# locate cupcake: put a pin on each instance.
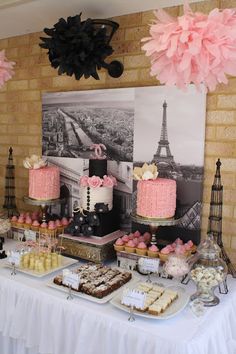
(137, 234)
(35, 215)
(153, 251)
(119, 245)
(131, 236)
(59, 226)
(35, 226)
(28, 222)
(13, 221)
(125, 238)
(64, 222)
(52, 229)
(130, 247)
(20, 222)
(141, 249)
(136, 241)
(147, 237)
(43, 228)
(164, 253)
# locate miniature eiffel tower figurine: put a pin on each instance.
(10, 202)
(215, 217)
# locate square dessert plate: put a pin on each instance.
(176, 307)
(65, 262)
(130, 283)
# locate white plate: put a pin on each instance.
(105, 299)
(66, 262)
(177, 305)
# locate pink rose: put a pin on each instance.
(84, 181)
(107, 181)
(94, 182)
(114, 180)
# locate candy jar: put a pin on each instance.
(177, 265)
(208, 271)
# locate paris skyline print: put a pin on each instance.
(142, 124)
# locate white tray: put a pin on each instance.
(177, 306)
(105, 299)
(66, 262)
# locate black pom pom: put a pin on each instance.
(77, 47)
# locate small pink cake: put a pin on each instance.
(156, 198)
(44, 183)
(153, 251)
(119, 245)
(141, 249)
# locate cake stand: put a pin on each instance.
(154, 224)
(43, 204)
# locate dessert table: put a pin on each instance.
(35, 318)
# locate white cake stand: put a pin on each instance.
(154, 224)
(43, 204)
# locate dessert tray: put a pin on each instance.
(65, 262)
(172, 310)
(93, 275)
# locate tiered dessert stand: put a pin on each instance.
(43, 204)
(154, 224)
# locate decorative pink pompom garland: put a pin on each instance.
(193, 48)
(6, 68)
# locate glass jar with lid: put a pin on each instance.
(208, 271)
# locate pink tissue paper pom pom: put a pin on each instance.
(193, 48)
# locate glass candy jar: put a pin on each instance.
(208, 271)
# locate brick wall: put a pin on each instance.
(20, 106)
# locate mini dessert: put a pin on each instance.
(39, 261)
(28, 222)
(13, 221)
(64, 222)
(130, 246)
(141, 249)
(20, 222)
(147, 237)
(97, 280)
(164, 253)
(52, 229)
(35, 225)
(131, 236)
(59, 227)
(136, 241)
(43, 228)
(119, 245)
(137, 234)
(125, 238)
(153, 251)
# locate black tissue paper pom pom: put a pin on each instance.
(77, 47)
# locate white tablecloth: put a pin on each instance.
(37, 319)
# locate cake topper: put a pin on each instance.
(98, 151)
(145, 172)
(34, 162)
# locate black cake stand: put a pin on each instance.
(154, 224)
(43, 204)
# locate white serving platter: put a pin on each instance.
(130, 283)
(65, 262)
(176, 307)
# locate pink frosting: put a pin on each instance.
(14, 218)
(142, 245)
(64, 221)
(178, 241)
(44, 183)
(28, 220)
(44, 225)
(51, 227)
(156, 198)
(130, 243)
(153, 248)
(135, 241)
(119, 242)
(58, 223)
(165, 250)
(147, 236)
(125, 238)
(180, 249)
(22, 215)
(35, 223)
(141, 239)
(21, 220)
(131, 236)
(137, 234)
(190, 243)
(187, 246)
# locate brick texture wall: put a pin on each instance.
(20, 106)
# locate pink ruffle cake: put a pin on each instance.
(156, 198)
(44, 183)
